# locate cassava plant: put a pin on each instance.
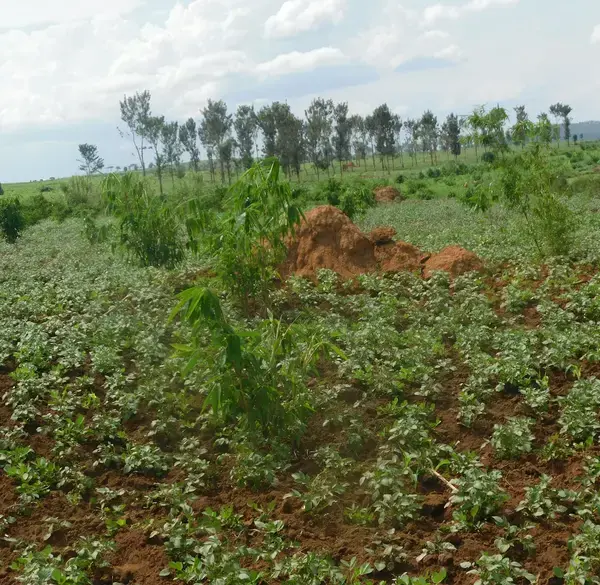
(261, 372)
(148, 227)
(249, 243)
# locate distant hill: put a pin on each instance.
(590, 130)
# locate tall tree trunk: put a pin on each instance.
(160, 181)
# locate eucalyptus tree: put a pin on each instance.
(383, 125)
(475, 125)
(216, 128)
(290, 141)
(342, 133)
(371, 128)
(210, 150)
(135, 113)
(172, 148)
(543, 129)
(412, 130)
(226, 155)
(398, 125)
(267, 122)
(450, 133)
(520, 129)
(429, 133)
(154, 134)
(561, 112)
(319, 126)
(359, 137)
(245, 124)
(188, 136)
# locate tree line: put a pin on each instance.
(326, 134)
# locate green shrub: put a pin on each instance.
(488, 157)
(425, 194)
(36, 209)
(333, 190)
(12, 220)
(356, 199)
(454, 168)
(148, 228)
(414, 185)
(588, 185)
(434, 173)
(400, 179)
(78, 193)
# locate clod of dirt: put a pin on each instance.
(453, 259)
(382, 235)
(327, 238)
(387, 194)
(398, 257)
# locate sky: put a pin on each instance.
(66, 64)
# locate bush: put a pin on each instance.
(434, 173)
(400, 179)
(12, 220)
(356, 199)
(414, 186)
(425, 194)
(148, 228)
(37, 209)
(454, 168)
(333, 190)
(488, 157)
(76, 191)
(586, 185)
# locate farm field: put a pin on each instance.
(208, 421)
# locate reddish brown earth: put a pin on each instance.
(387, 194)
(327, 238)
(382, 235)
(453, 259)
(398, 257)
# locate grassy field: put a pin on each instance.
(397, 430)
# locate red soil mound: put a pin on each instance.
(382, 235)
(453, 259)
(398, 257)
(387, 194)
(328, 239)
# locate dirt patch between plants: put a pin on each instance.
(327, 239)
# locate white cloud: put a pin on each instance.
(78, 70)
(440, 11)
(595, 35)
(296, 16)
(296, 62)
(435, 34)
(450, 52)
(436, 12)
(37, 12)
